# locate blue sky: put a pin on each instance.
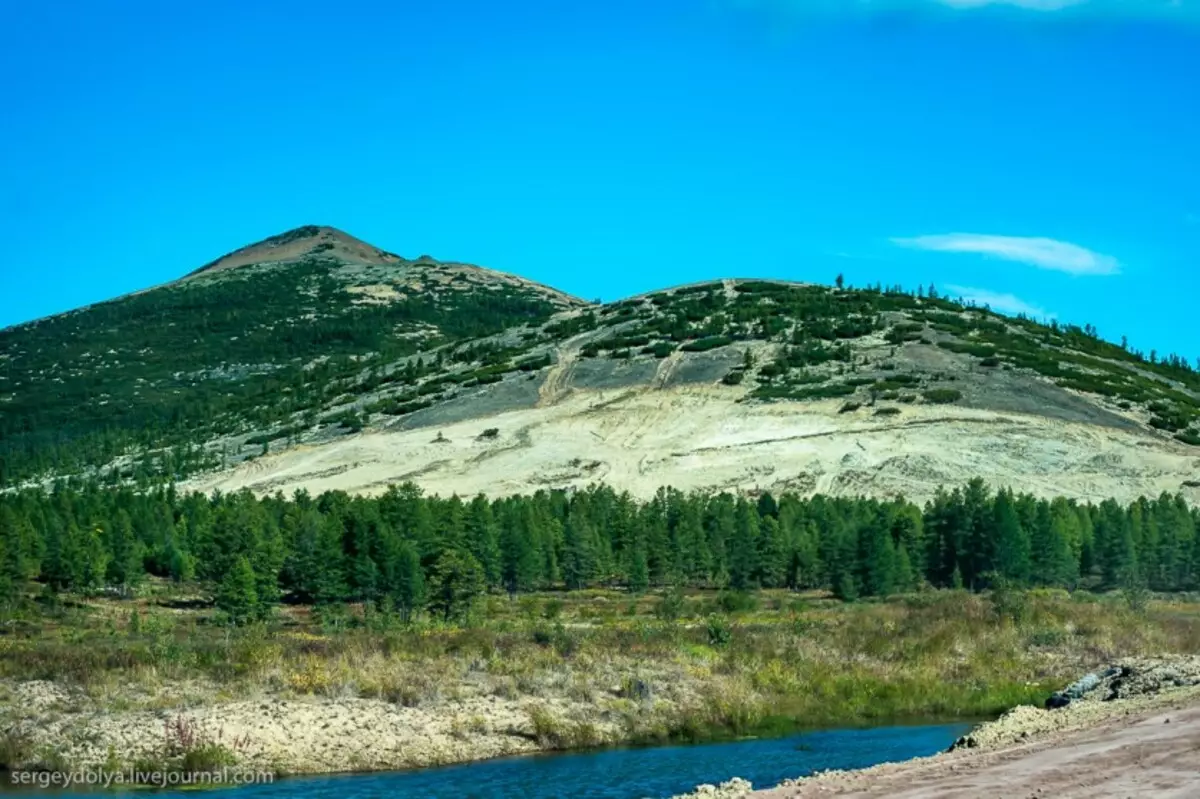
(1040, 154)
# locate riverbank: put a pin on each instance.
(97, 685)
(1133, 734)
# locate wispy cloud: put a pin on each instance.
(1005, 303)
(1058, 256)
(1166, 10)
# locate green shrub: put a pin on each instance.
(718, 630)
(737, 602)
(733, 378)
(705, 344)
(942, 396)
(670, 607)
(850, 407)
(887, 411)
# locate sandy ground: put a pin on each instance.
(1152, 755)
(293, 735)
(1137, 734)
(700, 437)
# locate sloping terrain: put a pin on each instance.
(706, 437)
(142, 382)
(315, 360)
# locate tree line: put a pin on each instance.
(414, 552)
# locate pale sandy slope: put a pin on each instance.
(700, 437)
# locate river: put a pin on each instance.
(619, 773)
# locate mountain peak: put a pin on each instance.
(302, 242)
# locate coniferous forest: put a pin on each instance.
(415, 553)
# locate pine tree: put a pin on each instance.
(905, 577)
(455, 583)
(774, 555)
(7, 584)
(1012, 541)
(325, 563)
(237, 595)
(409, 591)
(877, 558)
(579, 554)
(697, 560)
(639, 570)
(483, 539)
(805, 566)
(743, 547)
(21, 545)
(76, 559)
(125, 552)
(519, 558)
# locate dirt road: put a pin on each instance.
(1153, 755)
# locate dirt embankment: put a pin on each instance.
(1134, 733)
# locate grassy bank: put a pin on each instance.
(551, 671)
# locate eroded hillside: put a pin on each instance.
(748, 385)
(328, 363)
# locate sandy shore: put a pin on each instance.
(1154, 754)
(1135, 736)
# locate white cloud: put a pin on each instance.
(1030, 5)
(1187, 11)
(1058, 256)
(1004, 303)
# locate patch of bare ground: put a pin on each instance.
(702, 437)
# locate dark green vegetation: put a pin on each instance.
(207, 372)
(247, 349)
(410, 553)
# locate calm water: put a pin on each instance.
(622, 773)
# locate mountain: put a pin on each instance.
(300, 243)
(314, 360)
(264, 332)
